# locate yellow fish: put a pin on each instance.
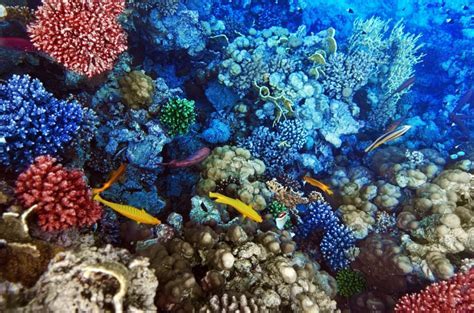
(316, 183)
(139, 216)
(113, 178)
(388, 136)
(244, 209)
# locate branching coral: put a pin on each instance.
(349, 282)
(61, 195)
(454, 295)
(227, 161)
(338, 243)
(84, 36)
(276, 148)
(33, 122)
(177, 115)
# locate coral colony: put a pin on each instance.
(236, 156)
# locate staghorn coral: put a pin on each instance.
(137, 89)
(276, 148)
(33, 122)
(84, 36)
(61, 197)
(228, 161)
(237, 268)
(454, 295)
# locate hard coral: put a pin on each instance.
(204, 269)
(228, 161)
(454, 295)
(61, 195)
(33, 122)
(83, 35)
(95, 279)
(178, 115)
(137, 89)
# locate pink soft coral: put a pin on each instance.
(454, 295)
(62, 197)
(83, 35)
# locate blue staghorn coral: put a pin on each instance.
(33, 122)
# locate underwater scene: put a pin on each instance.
(243, 156)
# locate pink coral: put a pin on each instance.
(83, 35)
(62, 197)
(454, 295)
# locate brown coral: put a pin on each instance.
(137, 89)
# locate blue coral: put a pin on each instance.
(33, 122)
(276, 148)
(338, 242)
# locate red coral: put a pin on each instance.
(454, 295)
(83, 35)
(63, 198)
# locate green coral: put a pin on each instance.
(349, 282)
(276, 208)
(177, 116)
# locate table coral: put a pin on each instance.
(263, 269)
(33, 122)
(227, 161)
(84, 36)
(62, 197)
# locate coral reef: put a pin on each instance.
(137, 89)
(95, 279)
(264, 269)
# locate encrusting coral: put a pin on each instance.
(206, 268)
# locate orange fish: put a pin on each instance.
(316, 183)
(113, 178)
